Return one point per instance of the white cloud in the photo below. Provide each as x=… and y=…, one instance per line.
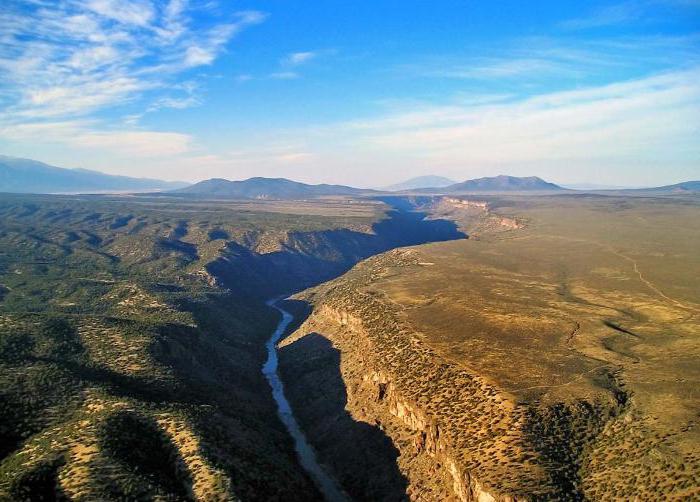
x=82, y=135
x=62, y=62
x=284, y=75
x=136, y=12
x=299, y=58
x=643, y=118
x=69, y=58
x=198, y=56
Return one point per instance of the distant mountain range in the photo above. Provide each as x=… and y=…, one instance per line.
x=420, y=182
x=594, y=186
x=498, y=184
x=30, y=176
x=686, y=187
x=265, y=188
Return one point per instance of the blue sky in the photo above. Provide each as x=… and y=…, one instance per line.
x=357, y=92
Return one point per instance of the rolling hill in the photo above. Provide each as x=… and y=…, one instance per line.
x=31, y=176
x=265, y=188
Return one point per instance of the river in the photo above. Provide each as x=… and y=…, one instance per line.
x=307, y=456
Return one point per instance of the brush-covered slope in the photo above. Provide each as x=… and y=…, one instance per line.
x=265, y=188
x=132, y=337
x=127, y=370
x=30, y=176
x=554, y=361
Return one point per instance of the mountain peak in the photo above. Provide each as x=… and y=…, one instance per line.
x=503, y=183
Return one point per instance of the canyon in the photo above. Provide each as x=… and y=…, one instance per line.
x=532, y=363
x=498, y=347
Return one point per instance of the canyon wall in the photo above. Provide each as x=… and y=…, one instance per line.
x=369, y=392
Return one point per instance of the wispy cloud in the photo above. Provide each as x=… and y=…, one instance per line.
x=639, y=124
x=87, y=135
x=609, y=15
x=652, y=117
x=626, y=12
x=299, y=58
x=63, y=60
x=289, y=66
x=541, y=59
x=284, y=75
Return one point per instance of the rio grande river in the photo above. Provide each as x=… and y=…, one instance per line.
x=307, y=457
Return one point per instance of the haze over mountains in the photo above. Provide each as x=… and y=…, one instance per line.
x=266, y=188
x=429, y=181
x=685, y=187
x=502, y=183
x=31, y=176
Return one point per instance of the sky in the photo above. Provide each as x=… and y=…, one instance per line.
x=357, y=92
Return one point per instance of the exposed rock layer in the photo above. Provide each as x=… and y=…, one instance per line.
x=354, y=370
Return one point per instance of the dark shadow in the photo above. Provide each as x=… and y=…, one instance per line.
x=300, y=309
x=119, y=384
x=139, y=445
x=40, y=483
x=361, y=456
x=311, y=258
x=121, y=221
x=187, y=250
x=218, y=365
x=620, y=329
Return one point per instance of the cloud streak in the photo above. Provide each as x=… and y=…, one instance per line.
x=299, y=58
x=66, y=60
x=649, y=118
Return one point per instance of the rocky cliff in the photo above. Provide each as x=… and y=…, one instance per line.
x=368, y=390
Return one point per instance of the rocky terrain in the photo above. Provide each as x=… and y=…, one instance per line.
x=553, y=360
x=552, y=355
x=133, y=333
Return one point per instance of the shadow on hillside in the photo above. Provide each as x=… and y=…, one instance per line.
x=307, y=259
x=361, y=456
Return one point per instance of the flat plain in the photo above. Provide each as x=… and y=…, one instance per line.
x=591, y=286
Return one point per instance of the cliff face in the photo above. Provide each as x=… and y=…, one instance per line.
x=361, y=380
x=291, y=261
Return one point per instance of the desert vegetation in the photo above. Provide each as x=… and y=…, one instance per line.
x=133, y=332
x=552, y=360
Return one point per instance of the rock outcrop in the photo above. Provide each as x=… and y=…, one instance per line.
x=355, y=365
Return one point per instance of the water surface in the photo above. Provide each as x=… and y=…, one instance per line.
x=307, y=456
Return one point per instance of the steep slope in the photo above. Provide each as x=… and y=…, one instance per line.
x=265, y=188
x=30, y=176
x=133, y=329
x=555, y=361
